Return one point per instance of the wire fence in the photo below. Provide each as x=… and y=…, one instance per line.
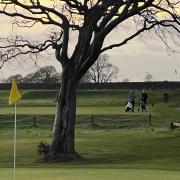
x=97, y=121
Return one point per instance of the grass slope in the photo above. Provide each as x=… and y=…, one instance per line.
x=108, y=152
x=111, y=148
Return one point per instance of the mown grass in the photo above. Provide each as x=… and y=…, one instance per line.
x=89, y=102
x=89, y=174
x=119, y=146
x=114, y=148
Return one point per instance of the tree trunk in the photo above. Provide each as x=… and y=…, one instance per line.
x=63, y=136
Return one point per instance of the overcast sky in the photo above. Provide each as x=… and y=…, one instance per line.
x=134, y=60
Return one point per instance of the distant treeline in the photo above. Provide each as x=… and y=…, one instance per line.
x=91, y=86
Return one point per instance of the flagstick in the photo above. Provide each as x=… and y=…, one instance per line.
x=15, y=142
x=13, y=98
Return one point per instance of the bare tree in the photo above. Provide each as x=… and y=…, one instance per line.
x=85, y=78
x=149, y=77
x=93, y=21
x=46, y=74
x=102, y=70
x=18, y=77
x=29, y=78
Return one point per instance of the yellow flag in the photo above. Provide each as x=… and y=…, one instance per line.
x=15, y=94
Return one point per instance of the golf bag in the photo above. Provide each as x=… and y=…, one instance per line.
x=129, y=106
x=142, y=105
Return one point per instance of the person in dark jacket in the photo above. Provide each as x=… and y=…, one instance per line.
x=143, y=100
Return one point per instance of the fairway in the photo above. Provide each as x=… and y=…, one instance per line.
x=87, y=92
x=88, y=174
x=119, y=145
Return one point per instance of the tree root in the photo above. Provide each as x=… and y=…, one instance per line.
x=44, y=152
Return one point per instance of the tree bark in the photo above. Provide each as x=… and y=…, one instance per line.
x=63, y=137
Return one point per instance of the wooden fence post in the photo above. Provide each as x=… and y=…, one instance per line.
x=34, y=121
x=150, y=122
x=92, y=120
x=171, y=126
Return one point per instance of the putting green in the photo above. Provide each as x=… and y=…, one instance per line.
x=87, y=174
